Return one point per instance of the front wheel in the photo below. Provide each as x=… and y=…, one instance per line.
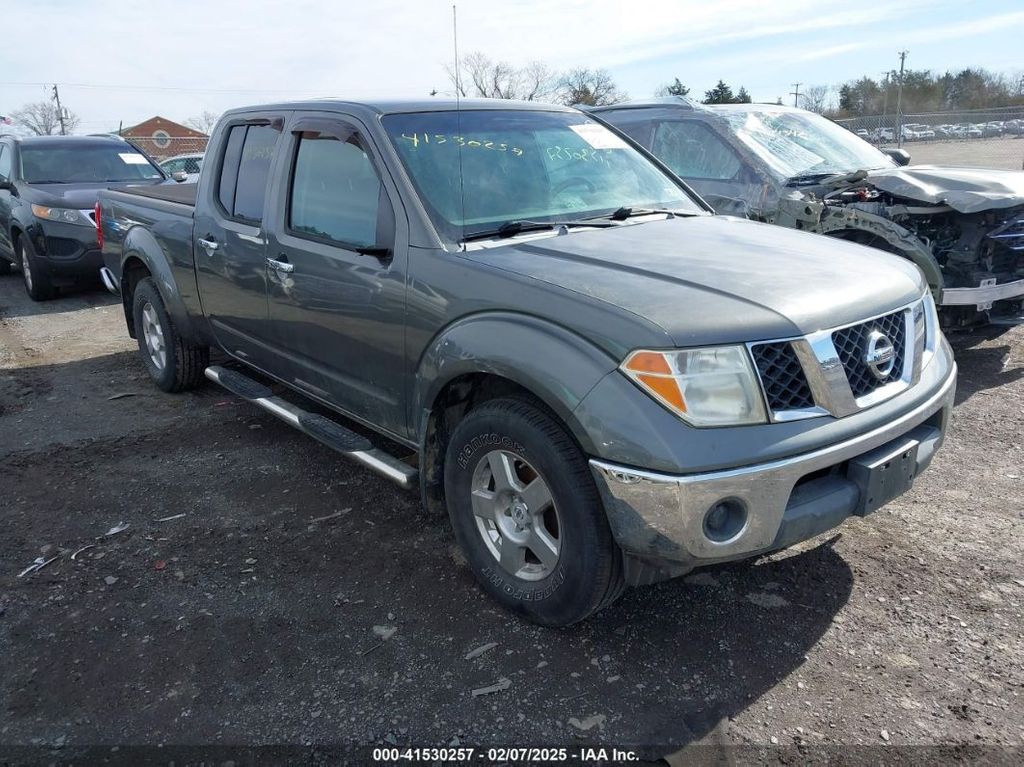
x=37, y=282
x=174, y=363
x=527, y=514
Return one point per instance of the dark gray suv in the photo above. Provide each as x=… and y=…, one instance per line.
x=48, y=188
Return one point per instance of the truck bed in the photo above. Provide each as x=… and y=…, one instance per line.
x=182, y=194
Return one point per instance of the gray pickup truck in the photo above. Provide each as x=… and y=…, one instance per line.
x=601, y=381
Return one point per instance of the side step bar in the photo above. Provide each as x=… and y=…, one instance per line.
x=322, y=429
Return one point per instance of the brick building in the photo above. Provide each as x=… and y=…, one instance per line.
x=162, y=138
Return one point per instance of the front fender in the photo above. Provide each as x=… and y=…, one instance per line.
x=554, y=364
x=140, y=244
x=902, y=241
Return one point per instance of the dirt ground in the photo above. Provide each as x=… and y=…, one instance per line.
x=264, y=614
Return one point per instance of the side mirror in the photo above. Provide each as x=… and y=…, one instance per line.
x=900, y=156
x=179, y=176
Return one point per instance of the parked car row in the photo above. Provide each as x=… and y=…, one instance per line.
x=922, y=132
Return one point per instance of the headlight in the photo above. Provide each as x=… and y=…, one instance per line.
x=926, y=325
x=714, y=386
x=64, y=215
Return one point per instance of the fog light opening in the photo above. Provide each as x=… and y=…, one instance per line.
x=725, y=520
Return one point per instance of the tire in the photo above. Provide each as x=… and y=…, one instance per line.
x=567, y=565
x=174, y=363
x=37, y=282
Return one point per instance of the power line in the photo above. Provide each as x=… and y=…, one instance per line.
x=795, y=93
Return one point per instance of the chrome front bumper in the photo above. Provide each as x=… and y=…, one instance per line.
x=660, y=518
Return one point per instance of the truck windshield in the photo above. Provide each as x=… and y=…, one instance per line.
x=796, y=144
x=524, y=165
x=85, y=164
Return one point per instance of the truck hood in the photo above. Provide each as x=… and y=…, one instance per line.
x=967, y=190
x=80, y=196
x=717, y=279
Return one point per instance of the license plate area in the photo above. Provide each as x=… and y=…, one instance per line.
x=883, y=474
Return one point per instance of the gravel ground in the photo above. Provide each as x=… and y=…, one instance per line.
x=1000, y=152
x=293, y=598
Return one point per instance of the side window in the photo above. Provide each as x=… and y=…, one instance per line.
x=5, y=162
x=335, y=192
x=694, y=151
x=229, y=170
x=173, y=166
x=243, y=178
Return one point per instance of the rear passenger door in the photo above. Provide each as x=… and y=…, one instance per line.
x=336, y=271
x=231, y=243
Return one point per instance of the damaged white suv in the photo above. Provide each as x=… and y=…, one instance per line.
x=964, y=227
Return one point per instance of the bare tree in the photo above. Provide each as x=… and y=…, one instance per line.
x=593, y=87
x=480, y=76
x=43, y=119
x=204, y=122
x=538, y=82
x=816, y=98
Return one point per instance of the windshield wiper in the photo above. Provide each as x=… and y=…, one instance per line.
x=623, y=213
x=512, y=228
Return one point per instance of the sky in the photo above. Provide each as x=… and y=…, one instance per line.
x=120, y=63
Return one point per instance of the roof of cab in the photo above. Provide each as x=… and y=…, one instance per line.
x=99, y=139
x=397, y=106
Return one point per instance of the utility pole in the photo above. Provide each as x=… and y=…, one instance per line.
x=60, y=110
x=885, y=106
x=899, y=102
x=795, y=93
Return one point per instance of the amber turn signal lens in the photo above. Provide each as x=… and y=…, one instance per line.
x=666, y=388
x=649, y=362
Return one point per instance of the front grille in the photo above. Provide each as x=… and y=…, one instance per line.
x=851, y=344
x=782, y=376
x=1010, y=234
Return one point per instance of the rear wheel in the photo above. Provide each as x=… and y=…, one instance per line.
x=37, y=282
x=173, y=362
x=527, y=514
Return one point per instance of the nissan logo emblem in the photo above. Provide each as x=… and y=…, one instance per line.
x=879, y=355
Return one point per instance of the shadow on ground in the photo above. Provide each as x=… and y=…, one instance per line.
x=67, y=299
x=981, y=361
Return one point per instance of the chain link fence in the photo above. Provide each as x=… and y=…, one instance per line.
x=983, y=138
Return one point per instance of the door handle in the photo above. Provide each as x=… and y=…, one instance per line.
x=279, y=265
x=208, y=245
